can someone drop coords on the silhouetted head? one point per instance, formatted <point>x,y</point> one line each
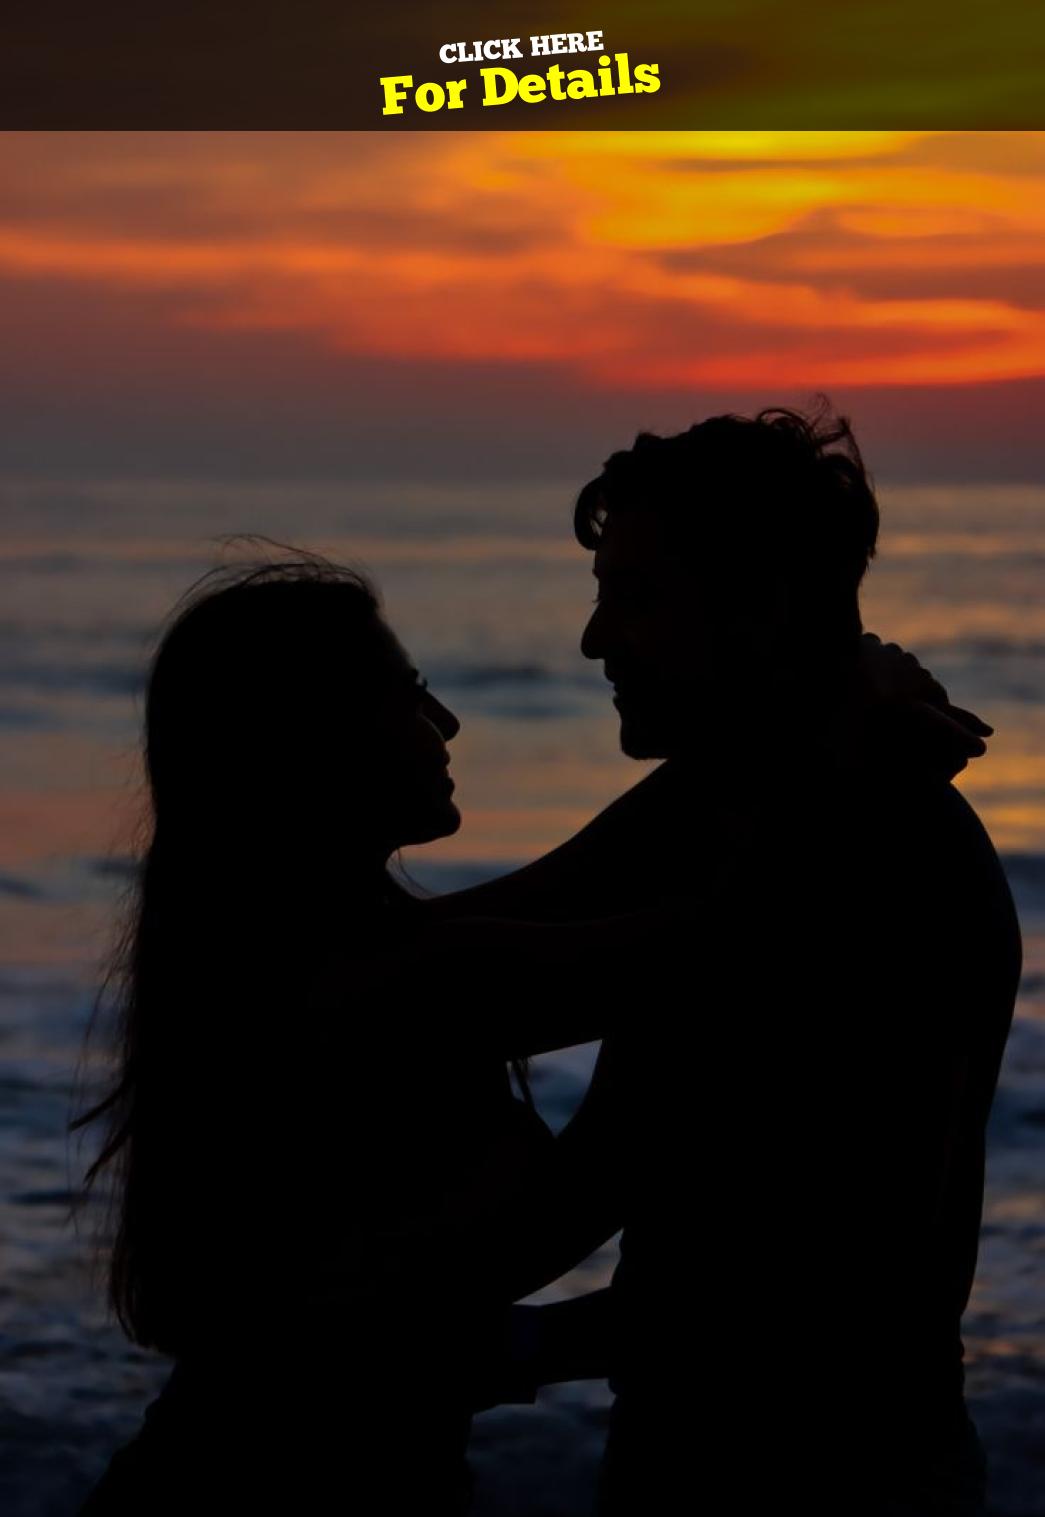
<point>282,710</point>
<point>728,561</point>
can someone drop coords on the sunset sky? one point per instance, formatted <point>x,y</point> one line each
<point>464,304</point>
<point>413,348</point>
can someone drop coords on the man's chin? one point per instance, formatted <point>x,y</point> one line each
<point>639,740</point>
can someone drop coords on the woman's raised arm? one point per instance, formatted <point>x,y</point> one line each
<point>525,988</point>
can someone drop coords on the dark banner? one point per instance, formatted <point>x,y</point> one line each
<point>746,64</point>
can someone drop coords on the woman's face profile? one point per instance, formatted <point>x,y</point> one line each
<point>413,791</point>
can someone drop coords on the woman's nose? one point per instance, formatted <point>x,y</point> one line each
<point>447,723</point>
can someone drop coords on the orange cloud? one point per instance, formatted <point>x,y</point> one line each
<point>646,260</point>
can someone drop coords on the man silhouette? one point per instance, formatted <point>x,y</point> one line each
<point>790,1121</point>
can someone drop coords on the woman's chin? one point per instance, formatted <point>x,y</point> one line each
<point>453,820</point>
<point>443,823</point>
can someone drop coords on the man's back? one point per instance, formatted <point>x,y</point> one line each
<point>805,1146</point>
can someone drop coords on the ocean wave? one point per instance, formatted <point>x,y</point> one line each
<point>21,888</point>
<point>122,677</point>
<point>464,674</point>
<point>1026,876</point>
<point>55,562</point>
<point>120,865</point>
<point>524,692</point>
<point>482,676</point>
<point>982,647</point>
<point>68,677</point>
<point>1027,868</point>
<point>61,1198</point>
<point>25,718</point>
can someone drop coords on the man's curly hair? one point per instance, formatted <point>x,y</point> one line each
<point>777,495</point>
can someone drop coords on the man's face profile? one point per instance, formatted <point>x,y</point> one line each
<point>680,631</point>
<point>650,632</point>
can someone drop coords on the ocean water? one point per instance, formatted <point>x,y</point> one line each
<point>489,593</point>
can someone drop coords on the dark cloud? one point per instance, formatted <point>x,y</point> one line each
<point>222,64</point>
<point>821,251</point>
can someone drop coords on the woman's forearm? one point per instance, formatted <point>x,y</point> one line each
<point>524,988</point>
<point>615,863</point>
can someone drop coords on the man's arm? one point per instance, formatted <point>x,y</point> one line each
<point>571,1339</point>
<point>536,1212</point>
<point>570,1206</point>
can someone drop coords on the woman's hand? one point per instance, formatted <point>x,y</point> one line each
<point>895,674</point>
<point>507,1363</point>
<point>944,735</point>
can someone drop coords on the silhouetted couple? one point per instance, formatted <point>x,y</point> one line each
<point>793,937</point>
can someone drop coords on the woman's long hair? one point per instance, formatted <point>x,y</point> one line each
<point>255,713</point>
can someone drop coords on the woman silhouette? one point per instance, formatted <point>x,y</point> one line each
<point>318,1158</point>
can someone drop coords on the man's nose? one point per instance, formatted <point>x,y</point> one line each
<point>592,638</point>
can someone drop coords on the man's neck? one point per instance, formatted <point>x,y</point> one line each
<point>765,734</point>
